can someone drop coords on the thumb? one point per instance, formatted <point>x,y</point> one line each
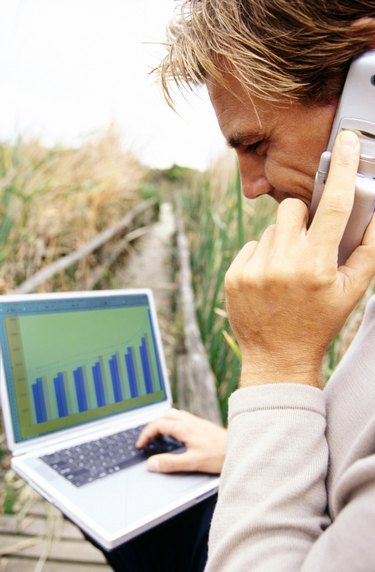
<point>170,462</point>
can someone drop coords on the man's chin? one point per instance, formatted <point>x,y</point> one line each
<point>280,196</point>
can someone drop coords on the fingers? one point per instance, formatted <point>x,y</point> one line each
<point>291,222</point>
<point>171,463</point>
<point>336,203</point>
<point>251,251</point>
<point>162,426</point>
<point>292,217</point>
<point>169,424</point>
<point>244,255</point>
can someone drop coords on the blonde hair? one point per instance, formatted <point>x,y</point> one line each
<point>294,49</point>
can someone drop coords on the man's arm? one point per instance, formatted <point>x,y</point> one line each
<point>286,299</point>
<point>272,514</point>
<point>272,498</point>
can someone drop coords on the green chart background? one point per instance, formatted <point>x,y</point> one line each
<point>62,342</point>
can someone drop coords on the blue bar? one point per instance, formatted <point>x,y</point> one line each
<point>160,374</point>
<point>36,402</point>
<point>131,373</point>
<point>39,401</point>
<point>42,401</point>
<point>98,382</point>
<point>146,366</point>
<point>113,366</point>
<point>80,389</point>
<point>62,405</point>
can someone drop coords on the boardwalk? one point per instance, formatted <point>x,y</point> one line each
<point>42,540</point>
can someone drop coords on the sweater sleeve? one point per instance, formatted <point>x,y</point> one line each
<point>271,513</point>
<point>272,500</point>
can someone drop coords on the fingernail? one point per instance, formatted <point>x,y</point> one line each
<point>153,465</point>
<point>349,139</point>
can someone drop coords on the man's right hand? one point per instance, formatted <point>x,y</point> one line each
<point>205,443</point>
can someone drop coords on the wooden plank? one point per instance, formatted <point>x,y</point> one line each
<point>46,541</point>
<point>114,252</point>
<point>33,547</point>
<point>39,506</point>
<point>9,564</point>
<point>37,526</point>
<point>38,515</point>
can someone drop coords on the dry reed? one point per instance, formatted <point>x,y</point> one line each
<point>54,200</point>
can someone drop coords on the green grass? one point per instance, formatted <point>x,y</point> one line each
<point>218,225</point>
<point>10,497</point>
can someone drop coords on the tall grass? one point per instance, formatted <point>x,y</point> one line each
<point>53,200</point>
<point>219,221</point>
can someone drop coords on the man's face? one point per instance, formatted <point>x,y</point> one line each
<point>278,147</point>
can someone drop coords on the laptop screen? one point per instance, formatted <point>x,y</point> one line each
<point>71,360</point>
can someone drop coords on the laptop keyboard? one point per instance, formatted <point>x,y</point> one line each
<point>96,459</point>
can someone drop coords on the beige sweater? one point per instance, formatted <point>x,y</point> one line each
<point>293,450</point>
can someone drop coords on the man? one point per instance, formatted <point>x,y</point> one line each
<point>274,71</point>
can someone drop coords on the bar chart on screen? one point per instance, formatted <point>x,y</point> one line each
<point>70,368</point>
<point>95,382</point>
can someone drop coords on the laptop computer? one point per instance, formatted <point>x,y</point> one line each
<point>78,367</point>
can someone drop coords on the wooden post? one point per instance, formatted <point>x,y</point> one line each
<point>196,385</point>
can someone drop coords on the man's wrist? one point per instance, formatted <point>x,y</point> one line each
<point>274,372</point>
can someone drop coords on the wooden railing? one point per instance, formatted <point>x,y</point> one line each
<point>99,241</point>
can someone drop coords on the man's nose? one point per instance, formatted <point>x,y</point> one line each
<point>253,179</point>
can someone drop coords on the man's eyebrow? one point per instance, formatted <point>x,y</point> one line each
<point>238,139</point>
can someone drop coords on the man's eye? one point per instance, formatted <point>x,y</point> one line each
<point>253,147</point>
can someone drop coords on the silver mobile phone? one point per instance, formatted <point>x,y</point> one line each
<point>356,111</point>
